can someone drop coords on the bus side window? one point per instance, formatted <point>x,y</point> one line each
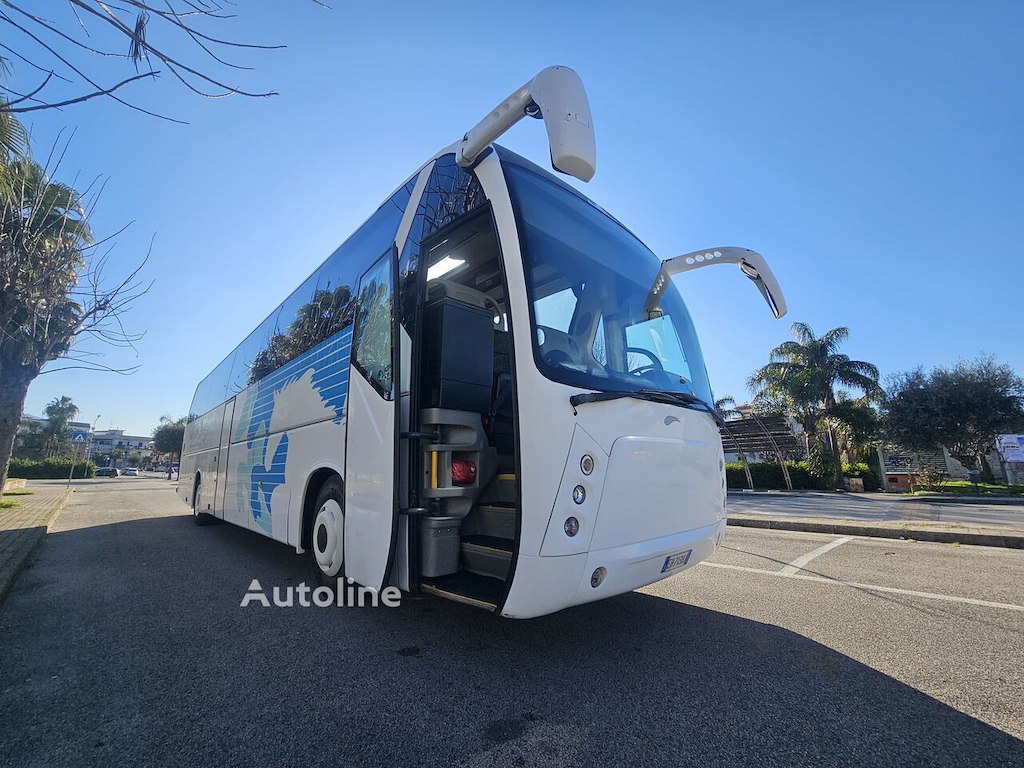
<point>374,326</point>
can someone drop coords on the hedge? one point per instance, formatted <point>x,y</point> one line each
<point>768,476</point>
<point>866,473</point>
<point>49,469</point>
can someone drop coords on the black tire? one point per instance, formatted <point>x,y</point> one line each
<point>332,491</point>
<point>200,518</point>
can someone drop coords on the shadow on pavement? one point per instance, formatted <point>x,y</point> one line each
<point>125,644</point>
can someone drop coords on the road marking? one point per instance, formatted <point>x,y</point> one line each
<point>870,587</point>
<point>803,560</point>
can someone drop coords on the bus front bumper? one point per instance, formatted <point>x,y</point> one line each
<point>543,585</point>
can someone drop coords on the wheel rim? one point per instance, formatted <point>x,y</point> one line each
<point>328,538</point>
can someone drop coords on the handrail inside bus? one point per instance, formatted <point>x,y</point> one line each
<point>556,96</point>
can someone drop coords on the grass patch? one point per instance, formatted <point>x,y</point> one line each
<point>18,492</point>
<point>8,504</point>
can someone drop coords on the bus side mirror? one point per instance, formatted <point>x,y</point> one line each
<point>558,93</point>
<point>556,96</point>
<point>751,263</point>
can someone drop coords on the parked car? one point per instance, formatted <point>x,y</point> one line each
<point>131,472</point>
<point>107,472</point>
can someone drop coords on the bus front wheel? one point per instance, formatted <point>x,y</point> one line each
<point>328,539</point>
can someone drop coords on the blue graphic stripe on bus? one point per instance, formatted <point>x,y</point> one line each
<point>326,365</point>
<point>334,377</point>
<point>264,481</point>
<point>329,364</point>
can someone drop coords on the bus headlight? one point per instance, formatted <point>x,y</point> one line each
<point>597,577</point>
<point>587,464</point>
<point>579,494</point>
<point>572,526</point>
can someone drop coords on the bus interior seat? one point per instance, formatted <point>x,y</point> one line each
<point>439,288</point>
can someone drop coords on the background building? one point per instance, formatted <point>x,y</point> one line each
<point>113,446</point>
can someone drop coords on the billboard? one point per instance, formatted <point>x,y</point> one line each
<point>1011,447</point>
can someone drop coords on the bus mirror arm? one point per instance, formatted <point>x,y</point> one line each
<point>751,263</point>
<point>555,95</point>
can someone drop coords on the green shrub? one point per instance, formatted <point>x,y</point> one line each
<point>822,463</point>
<point>768,476</point>
<point>49,469</point>
<point>866,473</point>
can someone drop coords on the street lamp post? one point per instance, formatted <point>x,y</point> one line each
<point>92,430</point>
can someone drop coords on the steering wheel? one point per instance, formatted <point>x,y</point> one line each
<point>655,364</point>
<point>559,357</point>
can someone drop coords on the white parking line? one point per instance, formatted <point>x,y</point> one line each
<point>870,587</point>
<point>803,560</point>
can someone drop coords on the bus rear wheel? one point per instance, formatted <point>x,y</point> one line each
<point>328,535</point>
<point>198,517</point>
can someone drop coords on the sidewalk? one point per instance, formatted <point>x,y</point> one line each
<point>905,497</point>
<point>946,533</point>
<point>22,527</point>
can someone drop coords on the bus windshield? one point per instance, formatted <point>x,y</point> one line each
<point>588,278</point>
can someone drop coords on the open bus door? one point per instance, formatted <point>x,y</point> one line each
<point>372,434</point>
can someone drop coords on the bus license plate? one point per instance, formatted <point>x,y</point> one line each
<point>676,561</point>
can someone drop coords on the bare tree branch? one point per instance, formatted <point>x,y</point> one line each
<point>29,96</point>
<point>33,64</point>
<point>78,99</point>
<point>76,70</point>
<point>139,23</point>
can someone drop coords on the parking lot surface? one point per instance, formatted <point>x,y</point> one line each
<point>124,643</point>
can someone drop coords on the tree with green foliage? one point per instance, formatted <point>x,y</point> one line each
<point>804,377</point>
<point>53,288</point>
<point>168,438</point>
<point>855,423</point>
<point>57,430</point>
<point>726,407</point>
<point>961,409</point>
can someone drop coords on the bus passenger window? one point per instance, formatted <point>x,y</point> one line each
<point>374,325</point>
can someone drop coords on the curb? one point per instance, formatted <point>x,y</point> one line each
<point>1008,540</point>
<point>31,538</point>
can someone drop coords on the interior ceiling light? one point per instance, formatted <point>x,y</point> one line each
<point>443,267</point>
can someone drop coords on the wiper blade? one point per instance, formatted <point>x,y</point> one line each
<point>681,399</point>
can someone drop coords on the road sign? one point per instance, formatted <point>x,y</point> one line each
<point>79,438</point>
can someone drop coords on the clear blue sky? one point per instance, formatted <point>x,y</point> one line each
<point>871,151</point>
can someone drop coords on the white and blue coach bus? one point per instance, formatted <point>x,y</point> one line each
<point>492,391</point>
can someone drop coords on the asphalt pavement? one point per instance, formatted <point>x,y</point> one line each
<point>124,643</point>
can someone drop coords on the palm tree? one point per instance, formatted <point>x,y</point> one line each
<point>14,143</point>
<point>726,407</point>
<point>804,375</point>
<point>43,232</point>
<point>59,413</point>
